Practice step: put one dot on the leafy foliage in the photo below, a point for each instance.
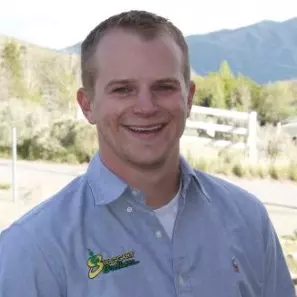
(273, 102)
(12, 66)
(41, 136)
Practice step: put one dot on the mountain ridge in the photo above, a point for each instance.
(265, 51)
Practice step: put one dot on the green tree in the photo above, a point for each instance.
(60, 79)
(210, 91)
(242, 94)
(276, 103)
(229, 82)
(12, 54)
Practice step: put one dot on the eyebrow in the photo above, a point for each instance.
(118, 82)
(113, 83)
(168, 81)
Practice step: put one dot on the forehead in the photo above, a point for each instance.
(123, 54)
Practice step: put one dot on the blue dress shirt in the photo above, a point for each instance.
(97, 238)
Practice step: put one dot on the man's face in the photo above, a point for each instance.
(140, 101)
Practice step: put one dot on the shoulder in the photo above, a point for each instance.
(223, 191)
(39, 238)
(238, 207)
(49, 218)
(57, 204)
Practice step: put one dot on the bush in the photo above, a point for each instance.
(234, 162)
(278, 171)
(4, 186)
(262, 171)
(239, 170)
(78, 138)
(293, 171)
(204, 164)
(274, 144)
(44, 137)
(43, 147)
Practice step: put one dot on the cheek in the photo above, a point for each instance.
(183, 108)
(177, 107)
(102, 112)
(108, 120)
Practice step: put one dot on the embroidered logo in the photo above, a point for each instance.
(235, 265)
(98, 265)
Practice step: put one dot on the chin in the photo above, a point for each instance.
(149, 157)
(149, 162)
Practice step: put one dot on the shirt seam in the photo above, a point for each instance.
(92, 192)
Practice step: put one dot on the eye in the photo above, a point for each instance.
(122, 90)
(165, 87)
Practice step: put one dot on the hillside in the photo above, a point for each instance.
(37, 74)
(31, 48)
(265, 51)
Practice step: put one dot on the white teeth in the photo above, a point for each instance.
(146, 129)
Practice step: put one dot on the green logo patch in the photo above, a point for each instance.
(98, 265)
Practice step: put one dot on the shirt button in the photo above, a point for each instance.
(158, 234)
(135, 192)
(129, 209)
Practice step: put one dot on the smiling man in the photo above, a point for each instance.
(141, 221)
(139, 96)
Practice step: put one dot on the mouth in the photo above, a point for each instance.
(146, 131)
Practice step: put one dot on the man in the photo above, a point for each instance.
(140, 221)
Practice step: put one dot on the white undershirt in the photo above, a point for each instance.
(167, 214)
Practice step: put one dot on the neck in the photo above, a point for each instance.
(159, 184)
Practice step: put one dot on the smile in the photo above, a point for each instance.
(155, 128)
(146, 130)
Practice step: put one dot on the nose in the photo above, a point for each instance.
(145, 103)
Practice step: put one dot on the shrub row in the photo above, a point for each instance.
(41, 137)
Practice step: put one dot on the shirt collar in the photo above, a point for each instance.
(189, 174)
(106, 186)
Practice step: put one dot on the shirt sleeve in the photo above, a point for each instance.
(24, 271)
(277, 278)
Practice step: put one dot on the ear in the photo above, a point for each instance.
(84, 100)
(191, 94)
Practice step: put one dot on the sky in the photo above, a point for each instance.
(60, 23)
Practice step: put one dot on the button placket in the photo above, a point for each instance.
(181, 280)
(159, 234)
(180, 258)
(129, 209)
(135, 192)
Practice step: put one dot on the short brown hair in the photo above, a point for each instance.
(146, 24)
